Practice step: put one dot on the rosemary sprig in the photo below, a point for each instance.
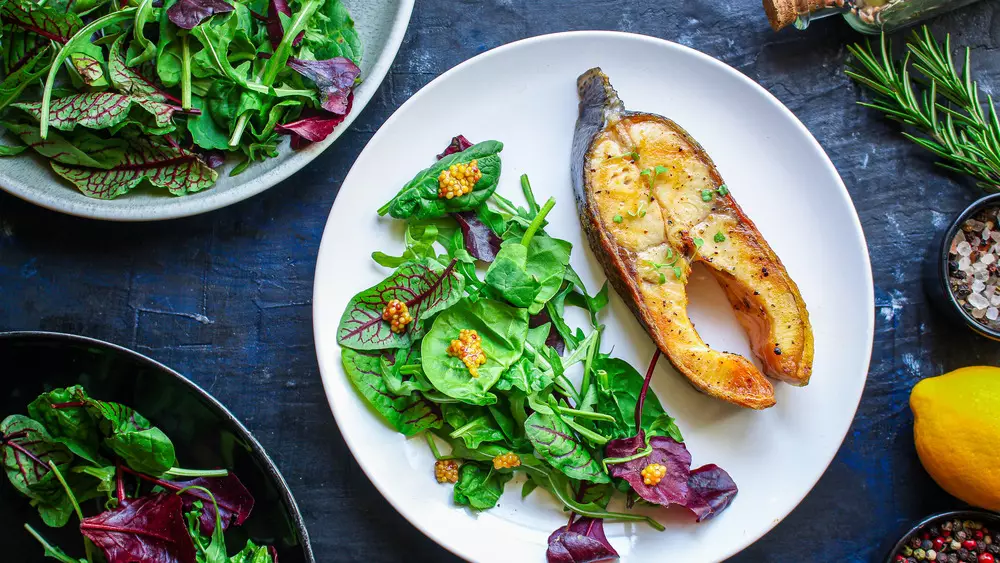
(939, 102)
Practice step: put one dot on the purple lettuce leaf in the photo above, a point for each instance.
(150, 529)
(458, 144)
(275, 31)
(710, 491)
(553, 339)
(480, 240)
(313, 126)
(334, 78)
(187, 14)
(673, 488)
(234, 500)
(583, 541)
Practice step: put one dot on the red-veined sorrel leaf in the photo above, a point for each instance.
(234, 500)
(583, 541)
(334, 79)
(458, 144)
(89, 68)
(275, 31)
(149, 529)
(187, 14)
(41, 20)
(128, 81)
(97, 110)
(27, 449)
(410, 414)
(313, 126)
(425, 287)
(480, 240)
(555, 442)
(84, 148)
(23, 73)
(174, 168)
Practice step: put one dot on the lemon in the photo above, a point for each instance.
(956, 428)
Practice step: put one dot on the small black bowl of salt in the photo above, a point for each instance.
(963, 276)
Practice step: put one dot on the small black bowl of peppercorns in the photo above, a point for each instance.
(961, 536)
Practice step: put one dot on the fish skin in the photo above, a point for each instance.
(765, 299)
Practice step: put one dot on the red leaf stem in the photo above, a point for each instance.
(68, 405)
(645, 389)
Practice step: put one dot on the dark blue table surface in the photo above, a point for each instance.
(225, 298)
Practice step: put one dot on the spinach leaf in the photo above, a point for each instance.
(474, 425)
(144, 447)
(502, 329)
(425, 287)
(555, 442)
(479, 486)
(547, 259)
(34, 66)
(419, 197)
(27, 450)
(65, 417)
(508, 275)
(409, 415)
(619, 385)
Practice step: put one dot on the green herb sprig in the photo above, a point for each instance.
(940, 102)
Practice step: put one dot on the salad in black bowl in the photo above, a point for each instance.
(110, 456)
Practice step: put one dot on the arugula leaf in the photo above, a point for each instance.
(409, 415)
(555, 442)
(501, 328)
(474, 425)
(425, 287)
(419, 197)
(479, 487)
(164, 166)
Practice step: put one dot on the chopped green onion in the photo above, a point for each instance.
(719, 237)
(618, 218)
(698, 242)
(706, 195)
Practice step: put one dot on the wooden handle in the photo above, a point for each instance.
(782, 13)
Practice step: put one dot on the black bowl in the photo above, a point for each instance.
(936, 271)
(205, 434)
(991, 519)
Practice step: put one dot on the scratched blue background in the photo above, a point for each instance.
(225, 297)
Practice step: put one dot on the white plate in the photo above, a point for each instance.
(524, 94)
(381, 25)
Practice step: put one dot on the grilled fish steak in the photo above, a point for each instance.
(650, 202)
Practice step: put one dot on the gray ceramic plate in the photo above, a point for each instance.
(381, 24)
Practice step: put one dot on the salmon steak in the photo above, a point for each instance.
(653, 204)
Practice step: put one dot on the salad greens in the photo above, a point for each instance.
(73, 451)
(159, 92)
(486, 364)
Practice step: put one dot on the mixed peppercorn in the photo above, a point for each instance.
(468, 347)
(458, 179)
(397, 315)
(952, 541)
